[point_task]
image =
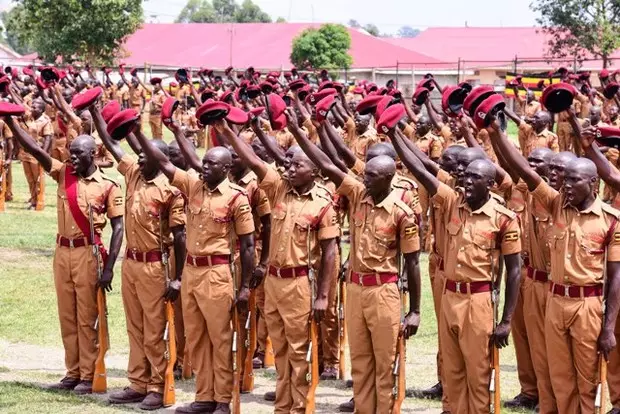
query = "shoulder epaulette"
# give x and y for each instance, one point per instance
(498, 198)
(505, 211)
(403, 206)
(105, 177)
(324, 187)
(238, 188)
(610, 210)
(405, 182)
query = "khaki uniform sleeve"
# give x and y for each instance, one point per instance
(546, 196)
(57, 168)
(503, 188)
(48, 129)
(6, 131)
(262, 207)
(328, 227)
(270, 184)
(181, 180)
(553, 143)
(115, 202)
(242, 214)
(176, 211)
(349, 127)
(446, 132)
(351, 188)
(409, 234)
(443, 176)
(409, 132)
(511, 238)
(126, 165)
(359, 167)
(313, 134)
(435, 149)
(444, 196)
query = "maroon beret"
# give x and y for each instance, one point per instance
(610, 90)
(110, 109)
(382, 91)
(488, 108)
(272, 81)
(608, 136)
(277, 106)
(465, 85)
(371, 87)
(121, 124)
(312, 99)
(288, 75)
(266, 87)
(121, 68)
(133, 72)
(173, 84)
(28, 72)
(324, 106)
(41, 84)
(452, 100)
(182, 75)
(228, 70)
(11, 109)
(49, 74)
(226, 96)
(155, 80)
(338, 86)
(253, 91)
(475, 97)
(304, 91)
(326, 84)
(257, 111)
(358, 90)
(426, 83)
(211, 111)
(390, 118)
(167, 110)
(384, 103)
(368, 105)
(274, 74)
(323, 73)
(4, 82)
(237, 116)
(86, 99)
(207, 94)
(603, 74)
(297, 84)
(420, 95)
(558, 97)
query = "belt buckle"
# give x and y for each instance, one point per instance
(278, 273)
(567, 291)
(361, 280)
(194, 261)
(458, 287)
(71, 246)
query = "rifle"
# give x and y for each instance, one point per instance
(247, 384)
(236, 355)
(100, 383)
(494, 385)
(400, 360)
(313, 351)
(40, 190)
(342, 332)
(170, 338)
(601, 388)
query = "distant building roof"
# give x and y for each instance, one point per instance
(262, 45)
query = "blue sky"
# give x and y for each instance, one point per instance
(388, 15)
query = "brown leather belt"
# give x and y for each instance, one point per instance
(288, 272)
(467, 287)
(440, 263)
(71, 243)
(537, 275)
(576, 291)
(200, 261)
(144, 257)
(373, 279)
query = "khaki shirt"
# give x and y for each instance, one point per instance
(157, 101)
(292, 216)
(431, 145)
(148, 203)
(37, 129)
(530, 109)
(378, 231)
(484, 139)
(362, 142)
(258, 200)
(213, 214)
(577, 238)
(474, 239)
(285, 139)
(529, 139)
(438, 228)
(97, 190)
(136, 96)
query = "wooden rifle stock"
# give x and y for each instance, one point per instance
(40, 189)
(247, 384)
(601, 387)
(342, 331)
(400, 375)
(171, 356)
(494, 388)
(313, 360)
(236, 394)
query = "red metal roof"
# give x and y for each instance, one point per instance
(262, 45)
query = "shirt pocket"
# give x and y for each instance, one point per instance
(453, 230)
(591, 250)
(381, 244)
(301, 230)
(557, 239)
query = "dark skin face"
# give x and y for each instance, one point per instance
(38, 108)
(541, 121)
(478, 180)
(612, 112)
(380, 149)
(423, 126)
(149, 169)
(302, 172)
(288, 155)
(215, 166)
(378, 176)
(87, 122)
(580, 183)
(238, 168)
(530, 96)
(67, 95)
(595, 115)
(260, 150)
(557, 169)
(539, 161)
(448, 160)
(176, 156)
(361, 123)
(466, 157)
(82, 155)
(416, 109)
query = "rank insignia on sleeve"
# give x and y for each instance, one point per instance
(118, 201)
(511, 236)
(411, 230)
(617, 236)
(244, 209)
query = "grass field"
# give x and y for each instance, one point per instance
(31, 347)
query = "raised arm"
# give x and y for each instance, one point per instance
(326, 132)
(430, 165)
(518, 98)
(186, 147)
(413, 164)
(432, 114)
(242, 149)
(606, 170)
(513, 157)
(153, 153)
(272, 147)
(29, 144)
(62, 105)
(113, 146)
(317, 156)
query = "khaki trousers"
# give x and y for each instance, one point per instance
(436, 277)
(143, 288)
(261, 328)
(207, 303)
(155, 123)
(566, 141)
(535, 296)
(329, 324)
(613, 371)
(373, 323)
(572, 327)
(287, 313)
(179, 326)
(525, 367)
(9, 182)
(36, 183)
(75, 279)
(465, 328)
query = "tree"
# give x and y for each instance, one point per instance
(86, 30)
(281, 20)
(197, 11)
(222, 11)
(354, 24)
(580, 28)
(408, 31)
(372, 29)
(251, 13)
(324, 48)
(14, 18)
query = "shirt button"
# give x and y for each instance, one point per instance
(568, 255)
(72, 227)
(197, 243)
(462, 249)
(565, 277)
(281, 249)
(458, 265)
(200, 226)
